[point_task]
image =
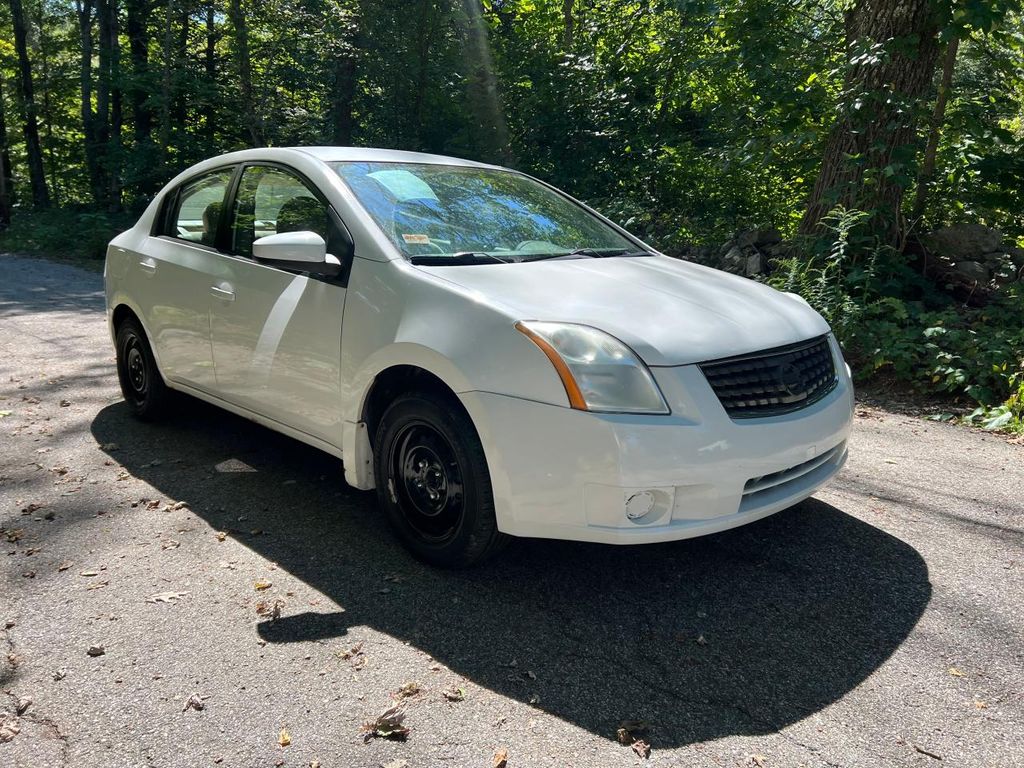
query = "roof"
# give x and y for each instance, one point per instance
(372, 155)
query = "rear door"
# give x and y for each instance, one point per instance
(277, 333)
(171, 280)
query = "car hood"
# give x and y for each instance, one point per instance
(669, 312)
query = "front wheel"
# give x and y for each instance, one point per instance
(141, 383)
(433, 483)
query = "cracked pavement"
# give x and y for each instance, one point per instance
(878, 624)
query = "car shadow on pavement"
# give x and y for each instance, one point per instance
(742, 632)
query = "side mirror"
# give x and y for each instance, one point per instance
(303, 251)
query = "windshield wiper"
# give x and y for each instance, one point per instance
(591, 253)
(461, 258)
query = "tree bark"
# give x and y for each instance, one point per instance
(924, 179)
(5, 162)
(892, 49)
(137, 29)
(485, 101)
(84, 9)
(236, 14)
(37, 175)
(210, 71)
(568, 24)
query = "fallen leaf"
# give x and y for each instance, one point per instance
(31, 508)
(221, 535)
(96, 650)
(65, 565)
(399, 763)
(756, 761)
(65, 403)
(170, 544)
(454, 694)
(351, 652)
(23, 704)
(98, 584)
(194, 702)
(60, 674)
(979, 704)
(166, 597)
(262, 584)
(387, 725)
(270, 609)
(284, 738)
(500, 759)
(9, 727)
(5, 413)
(14, 535)
(88, 573)
(408, 690)
(642, 748)
(955, 672)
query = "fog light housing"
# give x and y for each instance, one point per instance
(639, 505)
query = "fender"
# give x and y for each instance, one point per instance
(355, 439)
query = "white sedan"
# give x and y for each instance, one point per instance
(494, 357)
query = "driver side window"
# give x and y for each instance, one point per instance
(271, 201)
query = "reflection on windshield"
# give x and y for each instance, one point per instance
(474, 215)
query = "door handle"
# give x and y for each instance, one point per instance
(148, 265)
(222, 293)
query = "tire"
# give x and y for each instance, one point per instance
(141, 383)
(433, 483)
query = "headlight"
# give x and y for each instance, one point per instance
(599, 372)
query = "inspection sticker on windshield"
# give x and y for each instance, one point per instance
(416, 239)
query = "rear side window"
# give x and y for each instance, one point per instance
(198, 208)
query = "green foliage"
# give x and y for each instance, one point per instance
(66, 234)
(929, 344)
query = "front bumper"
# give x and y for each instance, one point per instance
(565, 474)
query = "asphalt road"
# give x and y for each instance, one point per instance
(879, 624)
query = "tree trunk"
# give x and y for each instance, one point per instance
(425, 27)
(84, 9)
(37, 175)
(924, 179)
(210, 66)
(872, 146)
(344, 75)
(137, 29)
(482, 85)
(46, 111)
(5, 162)
(236, 13)
(568, 24)
(180, 112)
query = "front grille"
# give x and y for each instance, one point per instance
(774, 381)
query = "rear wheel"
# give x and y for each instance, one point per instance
(141, 383)
(432, 481)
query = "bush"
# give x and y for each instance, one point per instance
(64, 233)
(889, 320)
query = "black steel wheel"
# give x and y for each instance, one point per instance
(141, 383)
(433, 482)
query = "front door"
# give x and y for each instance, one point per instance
(277, 334)
(172, 279)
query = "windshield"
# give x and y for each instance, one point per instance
(442, 214)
